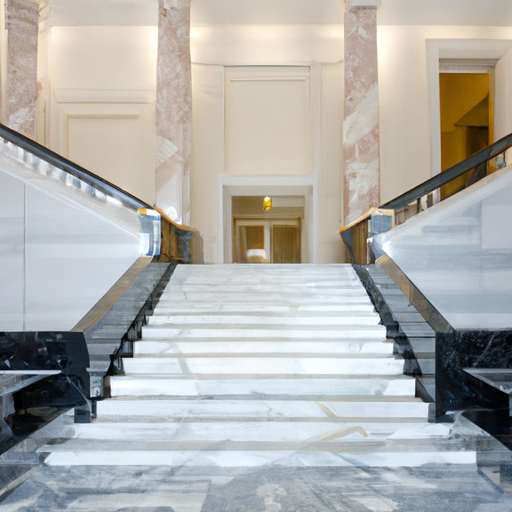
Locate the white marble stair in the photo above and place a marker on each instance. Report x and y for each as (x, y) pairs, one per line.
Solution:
(247, 365)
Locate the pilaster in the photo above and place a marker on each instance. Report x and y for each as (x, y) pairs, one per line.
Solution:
(361, 123)
(173, 110)
(19, 69)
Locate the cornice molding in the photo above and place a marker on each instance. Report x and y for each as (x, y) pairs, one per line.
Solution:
(351, 4)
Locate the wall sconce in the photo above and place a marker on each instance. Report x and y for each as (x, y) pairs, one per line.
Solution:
(267, 203)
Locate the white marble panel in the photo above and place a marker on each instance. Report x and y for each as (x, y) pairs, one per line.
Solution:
(472, 280)
(73, 257)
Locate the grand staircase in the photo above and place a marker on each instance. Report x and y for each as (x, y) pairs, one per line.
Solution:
(255, 365)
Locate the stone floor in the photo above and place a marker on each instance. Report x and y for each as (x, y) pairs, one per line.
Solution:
(260, 388)
(431, 487)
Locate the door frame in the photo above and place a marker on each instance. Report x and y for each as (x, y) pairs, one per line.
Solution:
(454, 49)
(268, 226)
(291, 185)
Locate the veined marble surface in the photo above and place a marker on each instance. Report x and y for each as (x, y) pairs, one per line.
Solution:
(258, 416)
(173, 110)
(21, 41)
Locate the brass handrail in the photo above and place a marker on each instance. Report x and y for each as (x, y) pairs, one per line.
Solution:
(180, 243)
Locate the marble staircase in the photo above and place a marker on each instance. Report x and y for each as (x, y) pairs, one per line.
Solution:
(255, 365)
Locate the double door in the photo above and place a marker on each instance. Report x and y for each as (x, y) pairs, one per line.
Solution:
(267, 241)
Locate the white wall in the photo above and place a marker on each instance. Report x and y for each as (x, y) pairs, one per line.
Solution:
(409, 94)
(99, 94)
(503, 115)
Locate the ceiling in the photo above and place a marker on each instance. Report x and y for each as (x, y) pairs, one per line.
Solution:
(390, 12)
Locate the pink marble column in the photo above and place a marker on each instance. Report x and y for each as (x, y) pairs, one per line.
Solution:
(173, 110)
(19, 103)
(361, 162)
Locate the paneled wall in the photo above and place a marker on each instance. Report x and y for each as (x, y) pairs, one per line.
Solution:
(100, 101)
(268, 120)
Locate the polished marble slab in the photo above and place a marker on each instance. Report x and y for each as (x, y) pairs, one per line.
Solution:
(190, 348)
(264, 410)
(317, 332)
(263, 366)
(143, 385)
(471, 284)
(351, 318)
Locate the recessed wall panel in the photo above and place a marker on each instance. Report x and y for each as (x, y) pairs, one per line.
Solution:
(268, 121)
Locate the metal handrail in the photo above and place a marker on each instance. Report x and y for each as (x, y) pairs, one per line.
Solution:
(71, 168)
(171, 235)
(355, 234)
(450, 174)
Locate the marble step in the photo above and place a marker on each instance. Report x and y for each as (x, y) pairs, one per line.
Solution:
(263, 366)
(275, 302)
(329, 287)
(262, 293)
(313, 453)
(349, 318)
(296, 348)
(206, 433)
(356, 318)
(277, 269)
(359, 332)
(227, 410)
(245, 308)
(253, 388)
(306, 281)
(98, 456)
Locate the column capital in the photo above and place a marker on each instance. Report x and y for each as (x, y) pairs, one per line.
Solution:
(349, 4)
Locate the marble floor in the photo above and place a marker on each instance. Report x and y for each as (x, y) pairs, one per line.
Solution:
(260, 388)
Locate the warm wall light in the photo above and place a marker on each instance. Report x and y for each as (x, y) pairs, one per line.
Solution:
(267, 203)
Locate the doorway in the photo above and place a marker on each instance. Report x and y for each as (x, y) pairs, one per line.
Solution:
(267, 241)
(466, 121)
(271, 235)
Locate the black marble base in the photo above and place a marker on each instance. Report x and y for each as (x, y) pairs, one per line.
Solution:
(456, 389)
(65, 352)
(496, 422)
(37, 405)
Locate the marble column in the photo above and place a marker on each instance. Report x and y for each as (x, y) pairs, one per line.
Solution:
(20, 54)
(173, 110)
(361, 162)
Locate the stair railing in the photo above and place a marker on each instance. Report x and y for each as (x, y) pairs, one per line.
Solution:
(398, 210)
(164, 237)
